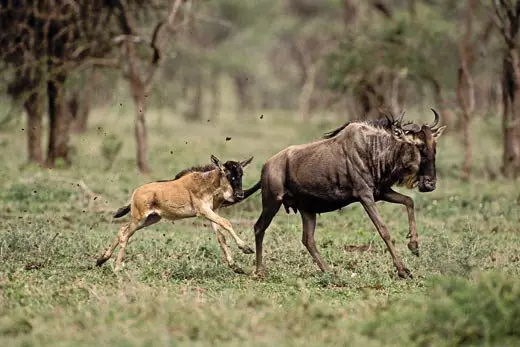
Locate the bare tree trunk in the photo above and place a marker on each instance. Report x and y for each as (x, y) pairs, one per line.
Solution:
(141, 133)
(34, 128)
(140, 96)
(349, 10)
(307, 90)
(440, 100)
(395, 95)
(215, 93)
(59, 123)
(80, 120)
(511, 119)
(197, 103)
(140, 85)
(241, 81)
(466, 89)
(497, 100)
(412, 8)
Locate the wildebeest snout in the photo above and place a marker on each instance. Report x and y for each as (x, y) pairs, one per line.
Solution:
(427, 184)
(239, 194)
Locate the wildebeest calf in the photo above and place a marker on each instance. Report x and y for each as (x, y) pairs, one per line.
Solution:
(197, 191)
(358, 162)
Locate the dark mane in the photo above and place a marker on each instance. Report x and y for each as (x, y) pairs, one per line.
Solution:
(380, 123)
(197, 168)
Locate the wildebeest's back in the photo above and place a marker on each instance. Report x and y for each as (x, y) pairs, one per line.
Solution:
(163, 198)
(313, 179)
(326, 175)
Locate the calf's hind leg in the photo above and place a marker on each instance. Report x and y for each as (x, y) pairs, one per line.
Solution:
(121, 239)
(110, 250)
(132, 228)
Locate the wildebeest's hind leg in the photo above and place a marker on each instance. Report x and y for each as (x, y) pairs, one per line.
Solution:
(397, 198)
(370, 207)
(309, 225)
(126, 233)
(225, 249)
(270, 207)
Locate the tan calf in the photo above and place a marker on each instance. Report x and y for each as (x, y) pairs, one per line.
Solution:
(197, 191)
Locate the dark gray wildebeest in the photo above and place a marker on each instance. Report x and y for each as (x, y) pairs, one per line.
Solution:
(197, 191)
(358, 162)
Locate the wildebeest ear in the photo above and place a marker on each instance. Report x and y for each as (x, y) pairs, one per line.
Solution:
(246, 162)
(438, 132)
(215, 161)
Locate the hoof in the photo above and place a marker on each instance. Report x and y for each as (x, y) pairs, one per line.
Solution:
(100, 261)
(237, 269)
(413, 246)
(404, 273)
(247, 250)
(259, 274)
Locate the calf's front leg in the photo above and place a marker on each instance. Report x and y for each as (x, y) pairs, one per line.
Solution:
(225, 249)
(398, 198)
(370, 207)
(225, 224)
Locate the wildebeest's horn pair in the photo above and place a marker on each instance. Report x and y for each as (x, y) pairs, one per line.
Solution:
(392, 120)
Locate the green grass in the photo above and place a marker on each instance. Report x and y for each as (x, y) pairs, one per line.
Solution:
(175, 288)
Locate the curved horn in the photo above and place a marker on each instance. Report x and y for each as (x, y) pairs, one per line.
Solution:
(435, 121)
(400, 121)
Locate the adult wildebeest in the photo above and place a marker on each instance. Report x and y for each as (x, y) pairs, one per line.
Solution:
(358, 162)
(197, 191)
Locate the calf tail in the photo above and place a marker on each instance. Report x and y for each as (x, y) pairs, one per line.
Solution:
(122, 211)
(247, 194)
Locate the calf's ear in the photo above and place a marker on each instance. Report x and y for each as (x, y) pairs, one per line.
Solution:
(216, 162)
(246, 162)
(438, 132)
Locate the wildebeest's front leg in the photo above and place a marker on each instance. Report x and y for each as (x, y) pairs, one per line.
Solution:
(398, 198)
(225, 249)
(224, 223)
(309, 225)
(371, 209)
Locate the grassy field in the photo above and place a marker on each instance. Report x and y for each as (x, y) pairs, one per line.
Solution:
(175, 288)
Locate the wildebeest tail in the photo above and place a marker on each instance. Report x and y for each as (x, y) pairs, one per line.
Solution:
(122, 211)
(252, 190)
(247, 194)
